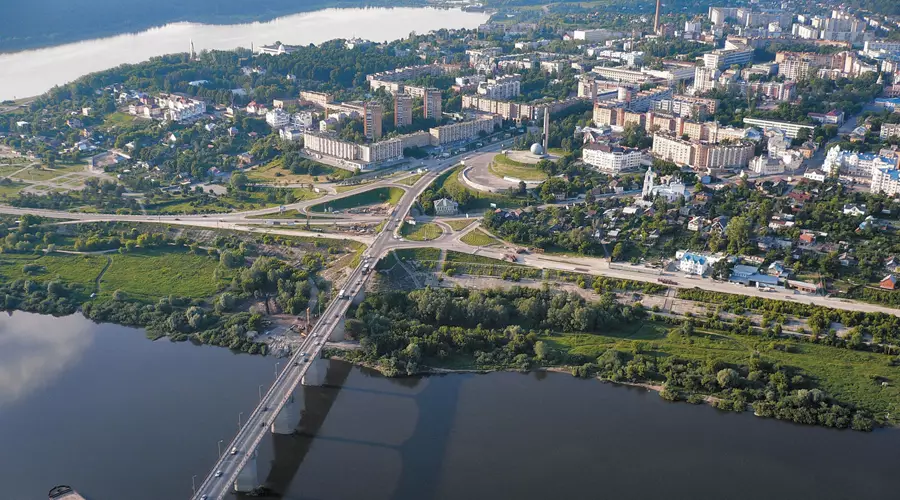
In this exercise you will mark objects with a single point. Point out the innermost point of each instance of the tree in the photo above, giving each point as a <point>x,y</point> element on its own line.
<point>737,232</point>
<point>238,181</point>
<point>618,251</point>
<point>727,377</point>
<point>541,351</point>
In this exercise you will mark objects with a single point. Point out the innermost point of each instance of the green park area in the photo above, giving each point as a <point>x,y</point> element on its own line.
<point>478,238</point>
<point>143,274</point>
<point>459,224</point>
<point>412,179</point>
<point>308,172</point>
<point>850,376</point>
<point>377,196</point>
<point>448,184</point>
<point>421,231</point>
<point>243,200</point>
<point>503,166</point>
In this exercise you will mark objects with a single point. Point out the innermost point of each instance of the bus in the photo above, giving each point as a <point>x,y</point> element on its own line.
<point>342,294</point>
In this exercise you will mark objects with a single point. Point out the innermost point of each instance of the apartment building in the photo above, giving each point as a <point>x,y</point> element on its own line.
<point>390,80</point>
<point>462,131</point>
<point>671,149</point>
<point>278,118</point>
<point>610,159</point>
<point>705,79</point>
<point>180,108</point>
<point>687,106</point>
<point>711,155</point>
<point>403,107</point>
<point>889,130</point>
<point>318,99</point>
<point>790,129</point>
<point>886,180</point>
<point>372,120</point>
<point>724,58</point>
<point>432,103</point>
<point>504,87</point>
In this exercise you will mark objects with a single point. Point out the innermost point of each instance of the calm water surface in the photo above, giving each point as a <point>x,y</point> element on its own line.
<point>118,416</point>
<point>32,72</point>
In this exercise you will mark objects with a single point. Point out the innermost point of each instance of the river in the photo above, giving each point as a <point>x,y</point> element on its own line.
<point>32,72</point>
<point>104,409</point>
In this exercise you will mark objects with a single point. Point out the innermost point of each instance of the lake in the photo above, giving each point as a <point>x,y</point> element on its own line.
<point>104,409</point>
<point>32,72</point>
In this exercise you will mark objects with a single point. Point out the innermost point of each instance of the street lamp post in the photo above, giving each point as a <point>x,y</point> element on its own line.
<point>260,393</point>
<point>194,484</point>
<point>239,419</point>
<point>220,446</point>
<point>276,369</point>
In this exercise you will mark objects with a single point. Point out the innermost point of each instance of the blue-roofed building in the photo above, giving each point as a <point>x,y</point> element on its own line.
<point>854,164</point>
<point>695,263</point>
<point>886,180</point>
<point>891,103</point>
<point>750,276</point>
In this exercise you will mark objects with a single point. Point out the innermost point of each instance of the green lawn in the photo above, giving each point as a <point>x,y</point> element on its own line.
<point>459,224</point>
<point>409,181</point>
<point>46,173</point>
<point>193,204</point>
<point>11,189</point>
<point>275,173</point>
<point>478,238</point>
<point>421,232</point>
<point>504,166</point>
<point>848,375</point>
<point>478,265</point>
<point>77,269</point>
<point>390,195</point>
<point>151,274</point>
<point>117,118</point>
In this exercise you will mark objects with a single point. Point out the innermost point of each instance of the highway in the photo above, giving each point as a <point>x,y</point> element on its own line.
<point>224,473</point>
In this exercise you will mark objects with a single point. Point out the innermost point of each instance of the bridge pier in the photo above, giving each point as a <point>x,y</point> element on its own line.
<point>286,420</point>
<point>315,374</point>
<point>248,478</point>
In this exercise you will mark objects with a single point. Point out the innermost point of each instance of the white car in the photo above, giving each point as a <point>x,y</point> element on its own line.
<point>218,473</point>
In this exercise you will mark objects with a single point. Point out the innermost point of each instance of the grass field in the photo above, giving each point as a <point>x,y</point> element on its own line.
<point>11,189</point>
<point>459,224</point>
<point>504,166</point>
<point>150,274</point>
<point>275,173</point>
<point>477,265</point>
<point>117,118</point>
<point>193,204</point>
<point>409,181</point>
<point>375,196</point>
<point>47,173</point>
<point>77,269</point>
<point>478,238</point>
<point>421,232</point>
<point>847,375</point>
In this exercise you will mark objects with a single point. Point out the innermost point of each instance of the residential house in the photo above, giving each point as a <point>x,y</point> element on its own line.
<point>807,238</point>
<point>854,210</point>
<point>847,260</point>
<point>889,282</point>
<point>446,206</point>
<point>697,224</point>
<point>695,263</point>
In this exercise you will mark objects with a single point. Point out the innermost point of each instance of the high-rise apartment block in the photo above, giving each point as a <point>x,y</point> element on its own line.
<point>403,105</point>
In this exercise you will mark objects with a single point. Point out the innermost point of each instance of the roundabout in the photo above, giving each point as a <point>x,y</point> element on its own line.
<point>496,172</point>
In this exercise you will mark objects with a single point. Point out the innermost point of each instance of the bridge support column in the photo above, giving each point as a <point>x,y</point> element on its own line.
<point>286,420</point>
<point>247,478</point>
<point>315,374</point>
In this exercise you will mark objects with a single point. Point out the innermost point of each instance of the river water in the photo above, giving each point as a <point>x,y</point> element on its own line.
<point>104,409</point>
<point>32,72</point>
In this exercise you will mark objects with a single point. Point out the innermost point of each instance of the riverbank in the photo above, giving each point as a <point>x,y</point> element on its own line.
<point>30,71</point>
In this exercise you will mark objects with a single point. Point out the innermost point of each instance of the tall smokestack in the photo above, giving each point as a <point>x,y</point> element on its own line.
<point>656,19</point>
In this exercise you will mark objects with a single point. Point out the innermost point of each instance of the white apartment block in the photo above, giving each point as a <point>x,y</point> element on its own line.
<point>790,129</point>
<point>278,118</point>
<point>724,58</point>
<point>505,87</point>
<point>403,106</point>
<point>432,103</point>
<point>889,130</point>
<point>178,108</point>
<point>610,159</point>
<point>886,180</point>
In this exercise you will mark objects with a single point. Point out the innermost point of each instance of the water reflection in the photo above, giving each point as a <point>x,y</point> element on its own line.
<point>31,72</point>
<point>35,350</point>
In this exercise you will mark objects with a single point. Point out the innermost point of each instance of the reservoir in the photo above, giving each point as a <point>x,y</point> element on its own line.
<point>32,72</point>
<point>115,415</point>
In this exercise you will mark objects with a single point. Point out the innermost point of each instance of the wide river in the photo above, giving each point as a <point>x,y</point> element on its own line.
<point>32,72</point>
<point>115,415</point>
